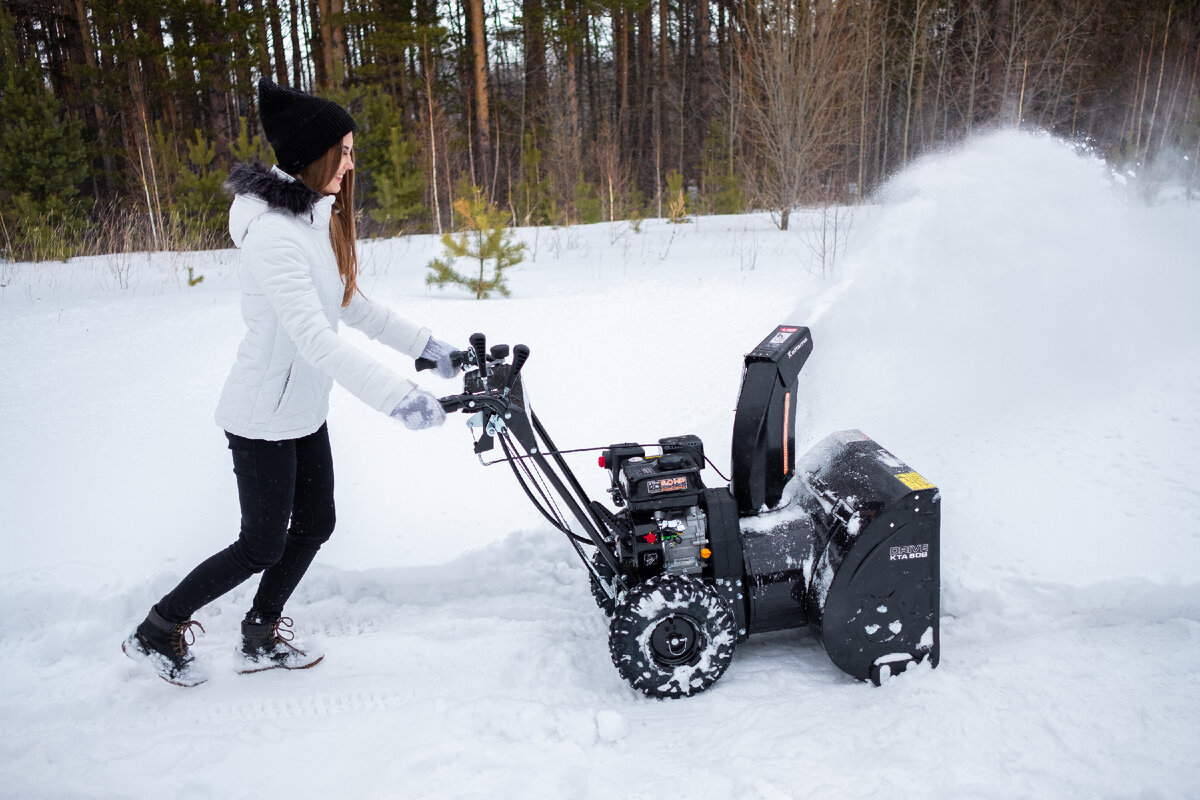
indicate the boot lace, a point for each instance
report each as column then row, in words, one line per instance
column 281, row 633
column 185, row 637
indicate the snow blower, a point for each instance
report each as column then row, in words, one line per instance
column 843, row 540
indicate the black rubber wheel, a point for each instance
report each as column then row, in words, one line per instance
column 672, row 636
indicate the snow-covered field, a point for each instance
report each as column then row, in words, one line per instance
column 1007, row 318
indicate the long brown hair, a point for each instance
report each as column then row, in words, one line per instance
column 317, row 176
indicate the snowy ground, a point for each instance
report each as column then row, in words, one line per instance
column 1006, row 318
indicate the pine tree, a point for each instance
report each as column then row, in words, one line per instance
column 247, row 148
column 43, row 161
column 531, row 199
column 392, row 176
column 677, row 199
column 399, row 187
column 200, row 210
column 485, row 238
column 722, row 192
column 588, row 208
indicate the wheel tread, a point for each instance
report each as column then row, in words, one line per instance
column 650, row 604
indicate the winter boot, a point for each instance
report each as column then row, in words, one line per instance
column 163, row 646
column 267, row 644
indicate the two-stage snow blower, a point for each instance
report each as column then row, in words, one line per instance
column 844, row 540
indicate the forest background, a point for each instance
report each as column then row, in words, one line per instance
column 119, row 119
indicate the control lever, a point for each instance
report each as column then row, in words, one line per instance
column 520, row 355
column 479, row 344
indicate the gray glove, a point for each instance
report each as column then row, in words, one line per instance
column 419, row 410
column 439, row 352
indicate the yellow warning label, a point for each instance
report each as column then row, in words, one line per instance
column 914, row 481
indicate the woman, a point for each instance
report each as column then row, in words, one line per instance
column 294, row 224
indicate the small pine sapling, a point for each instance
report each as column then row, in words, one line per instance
column 534, row 206
column 677, row 203
column 485, row 239
column 723, row 191
column 637, row 210
column 588, row 208
column 636, row 218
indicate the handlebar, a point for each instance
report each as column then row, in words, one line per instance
column 477, row 396
column 457, row 359
column 473, row 402
column 474, row 356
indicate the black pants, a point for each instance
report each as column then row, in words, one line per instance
column 286, row 492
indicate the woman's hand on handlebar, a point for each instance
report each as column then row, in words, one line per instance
column 419, row 410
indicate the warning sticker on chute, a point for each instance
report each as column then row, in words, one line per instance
column 914, row 481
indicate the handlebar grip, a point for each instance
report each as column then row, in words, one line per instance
column 520, row 355
column 457, row 359
column 479, row 344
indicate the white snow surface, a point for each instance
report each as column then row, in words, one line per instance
column 1007, row 319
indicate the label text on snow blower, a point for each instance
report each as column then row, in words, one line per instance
column 914, row 481
column 792, row 352
column 667, row 485
column 905, row 552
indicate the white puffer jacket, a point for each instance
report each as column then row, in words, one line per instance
column 291, row 302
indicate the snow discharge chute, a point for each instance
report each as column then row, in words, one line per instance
column 846, row 541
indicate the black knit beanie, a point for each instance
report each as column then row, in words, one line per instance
column 300, row 127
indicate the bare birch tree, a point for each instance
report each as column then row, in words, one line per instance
column 796, row 61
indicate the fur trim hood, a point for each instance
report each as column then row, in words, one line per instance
column 258, row 190
column 273, row 186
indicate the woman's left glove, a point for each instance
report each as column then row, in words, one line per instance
column 439, row 353
column 419, row 410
